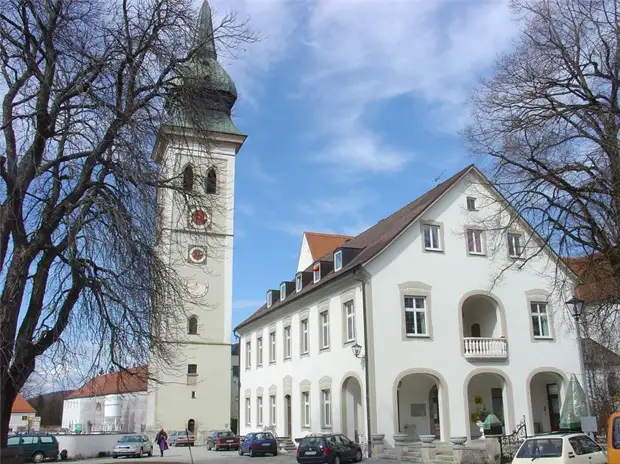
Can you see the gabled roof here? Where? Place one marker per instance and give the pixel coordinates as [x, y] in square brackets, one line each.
[372, 241]
[21, 406]
[132, 381]
[597, 355]
[322, 244]
[598, 283]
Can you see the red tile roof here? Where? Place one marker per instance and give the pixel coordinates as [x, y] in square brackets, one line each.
[20, 405]
[134, 380]
[322, 244]
[598, 284]
[372, 241]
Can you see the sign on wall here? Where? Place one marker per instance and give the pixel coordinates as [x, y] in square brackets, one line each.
[418, 410]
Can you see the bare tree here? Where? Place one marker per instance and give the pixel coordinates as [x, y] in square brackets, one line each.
[88, 85]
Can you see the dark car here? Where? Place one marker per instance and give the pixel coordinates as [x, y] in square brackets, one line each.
[258, 443]
[328, 449]
[34, 446]
[222, 440]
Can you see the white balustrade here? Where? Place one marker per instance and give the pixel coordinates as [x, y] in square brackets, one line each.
[478, 347]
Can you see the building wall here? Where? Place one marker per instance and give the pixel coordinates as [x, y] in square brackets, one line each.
[130, 418]
[19, 422]
[305, 256]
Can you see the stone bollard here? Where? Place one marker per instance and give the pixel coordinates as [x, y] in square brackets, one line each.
[458, 449]
[429, 450]
[400, 444]
[377, 444]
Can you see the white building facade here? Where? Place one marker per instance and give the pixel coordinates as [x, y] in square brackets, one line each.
[24, 417]
[449, 317]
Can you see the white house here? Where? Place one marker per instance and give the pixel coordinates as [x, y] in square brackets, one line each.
[444, 313]
[24, 417]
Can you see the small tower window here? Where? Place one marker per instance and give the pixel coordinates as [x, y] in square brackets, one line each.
[211, 181]
[192, 369]
[188, 179]
[192, 325]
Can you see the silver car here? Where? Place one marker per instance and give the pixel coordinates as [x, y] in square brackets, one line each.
[133, 445]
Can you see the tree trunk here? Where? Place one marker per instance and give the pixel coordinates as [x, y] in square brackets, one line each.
[9, 393]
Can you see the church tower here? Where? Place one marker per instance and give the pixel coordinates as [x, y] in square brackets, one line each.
[196, 237]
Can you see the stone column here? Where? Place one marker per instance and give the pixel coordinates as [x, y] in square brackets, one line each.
[458, 449]
[377, 444]
[400, 444]
[429, 450]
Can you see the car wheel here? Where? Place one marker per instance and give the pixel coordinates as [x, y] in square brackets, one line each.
[208, 447]
[358, 455]
[240, 451]
[115, 457]
[38, 456]
[336, 460]
[275, 453]
[252, 453]
[150, 452]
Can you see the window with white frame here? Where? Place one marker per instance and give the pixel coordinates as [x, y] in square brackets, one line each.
[248, 411]
[431, 237]
[272, 347]
[349, 314]
[305, 409]
[259, 351]
[326, 408]
[287, 342]
[282, 291]
[316, 272]
[269, 298]
[540, 320]
[248, 355]
[415, 315]
[471, 203]
[514, 245]
[475, 244]
[324, 321]
[304, 337]
[299, 282]
[259, 410]
[272, 410]
[338, 260]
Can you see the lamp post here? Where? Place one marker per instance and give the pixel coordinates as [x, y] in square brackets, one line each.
[357, 350]
[576, 308]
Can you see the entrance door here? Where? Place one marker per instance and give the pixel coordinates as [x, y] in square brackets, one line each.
[434, 412]
[475, 330]
[553, 400]
[289, 420]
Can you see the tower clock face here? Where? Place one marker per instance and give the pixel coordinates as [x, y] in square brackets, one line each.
[200, 217]
[197, 254]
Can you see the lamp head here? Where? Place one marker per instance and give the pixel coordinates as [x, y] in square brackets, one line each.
[575, 306]
[357, 349]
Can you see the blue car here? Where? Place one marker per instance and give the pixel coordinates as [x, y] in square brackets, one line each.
[258, 443]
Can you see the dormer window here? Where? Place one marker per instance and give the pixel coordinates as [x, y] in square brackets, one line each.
[299, 282]
[338, 260]
[282, 291]
[316, 272]
[269, 298]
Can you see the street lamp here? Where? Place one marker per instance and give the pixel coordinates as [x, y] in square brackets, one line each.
[357, 349]
[576, 308]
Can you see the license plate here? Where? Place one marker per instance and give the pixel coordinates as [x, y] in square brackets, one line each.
[266, 444]
[310, 453]
[230, 441]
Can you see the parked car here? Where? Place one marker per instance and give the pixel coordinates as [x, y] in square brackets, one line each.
[258, 443]
[222, 440]
[34, 446]
[332, 448]
[133, 445]
[181, 439]
[560, 448]
[613, 438]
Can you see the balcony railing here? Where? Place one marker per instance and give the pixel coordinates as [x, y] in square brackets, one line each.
[476, 347]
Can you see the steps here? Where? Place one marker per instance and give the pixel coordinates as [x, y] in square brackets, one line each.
[287, 444]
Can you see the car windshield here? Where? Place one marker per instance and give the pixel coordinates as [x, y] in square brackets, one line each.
[537, 448]
[264, 436]
[225, 434]
[129, 439]
[312, 441]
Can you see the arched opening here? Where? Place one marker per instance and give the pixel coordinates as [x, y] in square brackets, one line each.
[191, 425]
[486, 395]
[483, 334]
[546, 401]
[188, 178]
[352, 413]
[419, 406]
[211, 181]
[192, 325]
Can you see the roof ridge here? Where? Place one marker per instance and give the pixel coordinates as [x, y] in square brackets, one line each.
[325, 234]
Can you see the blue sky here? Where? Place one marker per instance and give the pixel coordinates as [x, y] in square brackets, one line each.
[352, 109]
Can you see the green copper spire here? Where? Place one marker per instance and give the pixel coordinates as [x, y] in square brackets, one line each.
[205, 32]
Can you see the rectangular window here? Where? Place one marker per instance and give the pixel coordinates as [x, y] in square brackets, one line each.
[338, 260]
[326, 408]
[282, 291]
[471, 203]
[193, 395]
[316, 272]
[248, 411]
[540, 320]
[248, 355]
[305, 409]
[269, 298]
[192, 369]
[349, 311]
[272, 410]
[474, 242]
[259, 351]
[324, 318]
[514, 245]
[299, 282]
[431, 237]
[304, 337]
[272, 347]
[287, 342]
[415, 315]
[259, 410]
